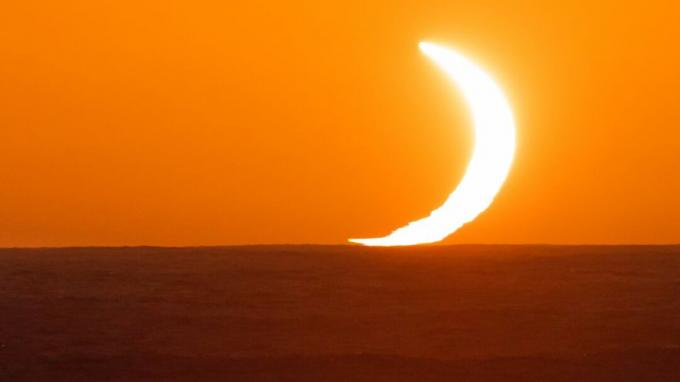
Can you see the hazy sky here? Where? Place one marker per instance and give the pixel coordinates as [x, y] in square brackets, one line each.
[197, 122]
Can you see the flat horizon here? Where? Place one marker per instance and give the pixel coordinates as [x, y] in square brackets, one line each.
[353, 246]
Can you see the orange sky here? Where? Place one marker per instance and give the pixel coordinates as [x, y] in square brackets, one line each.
[195, 122]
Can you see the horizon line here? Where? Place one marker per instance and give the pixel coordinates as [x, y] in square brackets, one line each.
[348, 245]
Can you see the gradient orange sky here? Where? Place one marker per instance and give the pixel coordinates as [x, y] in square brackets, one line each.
[200, 123]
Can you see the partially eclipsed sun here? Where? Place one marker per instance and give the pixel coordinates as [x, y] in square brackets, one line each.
[491, 159]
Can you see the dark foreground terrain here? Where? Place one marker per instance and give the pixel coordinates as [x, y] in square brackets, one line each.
[290, 313]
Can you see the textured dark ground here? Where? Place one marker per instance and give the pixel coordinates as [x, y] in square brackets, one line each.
[464, 313]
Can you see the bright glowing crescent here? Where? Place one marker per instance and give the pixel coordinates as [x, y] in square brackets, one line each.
[491, 159]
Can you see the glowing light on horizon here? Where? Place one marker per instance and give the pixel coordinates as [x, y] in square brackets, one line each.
[490, 162]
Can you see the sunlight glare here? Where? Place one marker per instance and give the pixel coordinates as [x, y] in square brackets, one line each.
[491, 159]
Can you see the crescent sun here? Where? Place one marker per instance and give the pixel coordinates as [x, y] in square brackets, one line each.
[491, 160]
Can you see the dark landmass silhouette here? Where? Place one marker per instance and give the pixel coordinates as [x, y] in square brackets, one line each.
[341, 313]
